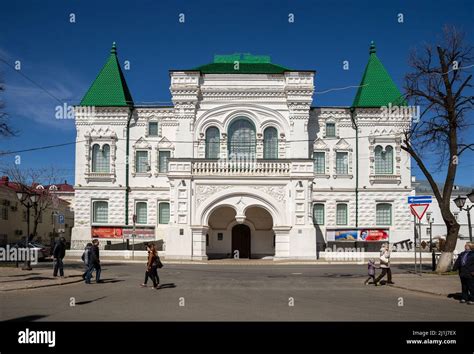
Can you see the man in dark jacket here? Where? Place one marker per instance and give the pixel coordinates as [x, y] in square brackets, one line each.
[465, 265]
[94, 262]
[59, 252]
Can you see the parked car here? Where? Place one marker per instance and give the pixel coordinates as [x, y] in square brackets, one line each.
[43, 251]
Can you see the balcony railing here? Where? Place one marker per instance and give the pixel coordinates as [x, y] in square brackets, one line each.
[241, 167]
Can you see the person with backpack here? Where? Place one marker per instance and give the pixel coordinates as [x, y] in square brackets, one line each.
[59, 252]
[153, 263]
[86, 256]
[385, 265]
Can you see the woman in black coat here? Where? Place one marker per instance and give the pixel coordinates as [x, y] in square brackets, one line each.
[465, 265]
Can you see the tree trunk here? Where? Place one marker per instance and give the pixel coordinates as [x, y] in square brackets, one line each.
[445, 260]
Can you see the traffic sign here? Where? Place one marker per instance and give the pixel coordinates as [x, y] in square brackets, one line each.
[419, 210]
[420, 199]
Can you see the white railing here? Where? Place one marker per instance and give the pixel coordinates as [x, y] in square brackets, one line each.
[241, 167]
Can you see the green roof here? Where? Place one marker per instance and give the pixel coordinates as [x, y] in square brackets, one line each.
[110, 87]
[377, 88]
[241, 64]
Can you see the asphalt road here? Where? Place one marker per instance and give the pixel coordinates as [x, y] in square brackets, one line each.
[233, 293]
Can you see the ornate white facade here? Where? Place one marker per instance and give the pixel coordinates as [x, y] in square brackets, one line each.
[209, 198]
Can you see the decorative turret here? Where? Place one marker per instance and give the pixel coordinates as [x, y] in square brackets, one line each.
[377, 88]
[110, 87]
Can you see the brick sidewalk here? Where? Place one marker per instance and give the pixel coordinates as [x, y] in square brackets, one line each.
[12, 278]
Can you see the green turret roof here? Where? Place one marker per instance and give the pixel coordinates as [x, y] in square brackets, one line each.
[377, 88]
[110, 87]
[241, 64]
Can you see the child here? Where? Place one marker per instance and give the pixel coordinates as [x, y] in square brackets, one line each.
[371, 271]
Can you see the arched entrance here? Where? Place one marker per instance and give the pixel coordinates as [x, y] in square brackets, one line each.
[241, 241]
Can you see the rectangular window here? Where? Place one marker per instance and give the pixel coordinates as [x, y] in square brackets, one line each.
[318, 214]
[319, 162]
[100, 212]
[220, 236]
[164, 157]
[342, 163]
[330, 130]
[164, 213]
[141, 162]
[384, 214]
[5, 213]
[341, 214]
[141, 212]
[152, 128]
[25, 215]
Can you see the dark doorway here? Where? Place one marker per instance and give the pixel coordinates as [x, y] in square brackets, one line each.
[241, 240]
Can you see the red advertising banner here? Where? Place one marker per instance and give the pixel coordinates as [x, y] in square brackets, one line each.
[106, 232]
[374, 235]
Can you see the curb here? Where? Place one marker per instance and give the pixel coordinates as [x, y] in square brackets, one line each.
[41, 286]
[419, 291]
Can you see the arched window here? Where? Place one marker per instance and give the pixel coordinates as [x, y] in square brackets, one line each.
[242, 140]
[270, 143]
[212, 143]
[383, 160]
[101, 158]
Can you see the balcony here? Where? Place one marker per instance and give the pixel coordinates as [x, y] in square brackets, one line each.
[241, 168]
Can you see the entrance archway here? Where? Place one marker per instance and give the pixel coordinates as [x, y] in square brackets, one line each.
[241, 241]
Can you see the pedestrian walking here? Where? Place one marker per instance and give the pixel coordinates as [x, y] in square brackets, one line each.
[465, 266]
[385, 265]
[94, 262]
[59, 252]
[86, 257]
[152, 267]
[371, 271]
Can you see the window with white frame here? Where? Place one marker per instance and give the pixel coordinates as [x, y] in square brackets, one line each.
[383, 214]
[101, 158]
[141, 161]
[163, 161]
[383, 160]
[100, 212]
[341, 214]
[319, 158]
[152, 128]
[342, 163]
[330, 130]
[212, 143]
[270, 143]
[164, 213]
[318, 214]
[141, 211]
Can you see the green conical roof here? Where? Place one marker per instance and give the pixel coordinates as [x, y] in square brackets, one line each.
[110, 87]
[377, 88]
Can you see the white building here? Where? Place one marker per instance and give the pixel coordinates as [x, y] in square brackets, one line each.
[241, 161]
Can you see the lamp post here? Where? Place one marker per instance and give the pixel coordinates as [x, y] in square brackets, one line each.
[430, 221]
[28, 200]
[460, 201]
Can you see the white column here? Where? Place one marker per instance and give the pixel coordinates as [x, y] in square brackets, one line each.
[282, 241]
[199, 242]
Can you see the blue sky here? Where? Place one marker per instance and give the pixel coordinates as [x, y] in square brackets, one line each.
[64, 58]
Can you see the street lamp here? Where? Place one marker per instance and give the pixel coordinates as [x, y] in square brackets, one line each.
[430, 221]
[28, 200]
[460, 201]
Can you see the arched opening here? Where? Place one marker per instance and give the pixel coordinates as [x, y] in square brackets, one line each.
[252, 237]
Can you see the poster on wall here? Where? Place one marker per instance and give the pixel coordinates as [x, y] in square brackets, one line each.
[373, 235]
[140, 233]
[106, 232]
[345, 235]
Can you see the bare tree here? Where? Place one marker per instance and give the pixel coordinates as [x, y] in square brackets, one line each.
[440, 84]
[5, 127]
[34, 181]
